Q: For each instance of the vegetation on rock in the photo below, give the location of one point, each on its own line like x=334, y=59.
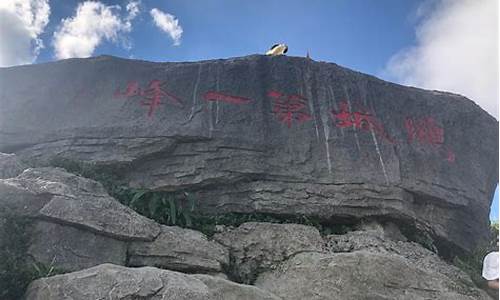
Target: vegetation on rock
x=16, y=270
x=179, y=207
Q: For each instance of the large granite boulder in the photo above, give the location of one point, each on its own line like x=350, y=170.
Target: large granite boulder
x=383, y=241
x=281, y=135
x=372, y=262
x=362, y=275
x=257, y=247
x=75, y=224
x=109, y=281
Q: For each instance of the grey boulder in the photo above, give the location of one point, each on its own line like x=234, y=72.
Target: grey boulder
x=256, y=247
x=367, y=264
x=116, y=282
x=357, y=276
x=77, y=201
x=76, y=225
x=181, y=250
x=71, y=249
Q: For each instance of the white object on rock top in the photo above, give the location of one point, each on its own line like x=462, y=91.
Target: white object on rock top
x=277, y=49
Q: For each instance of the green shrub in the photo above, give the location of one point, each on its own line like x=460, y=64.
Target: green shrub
x=169, y=208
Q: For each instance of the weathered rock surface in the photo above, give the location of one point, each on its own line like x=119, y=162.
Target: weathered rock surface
x=115, y=282
x=374, y=262
x=10, y=166
x=71, y=199
x=366, y=235
x=256, y=247
x=281, y=135
x=72, y=249
x=377, y=240
x=361, y=275
x=181, y=250
x=224, y=289
x=76, y=225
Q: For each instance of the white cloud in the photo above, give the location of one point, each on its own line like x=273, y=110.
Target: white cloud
x=93, y=23
x=133, y=9
x=21, y=23
x=167, y=23
x=456, y=51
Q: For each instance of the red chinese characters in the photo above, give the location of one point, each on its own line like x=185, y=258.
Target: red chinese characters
x=221, y=97
x=152, y=95
x=287, y=108
x=132, y=89
x=426, y=131
x=362, y=119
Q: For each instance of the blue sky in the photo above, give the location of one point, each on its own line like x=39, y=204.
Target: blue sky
x=397, y=40
x=340, y=31
x=494, y=207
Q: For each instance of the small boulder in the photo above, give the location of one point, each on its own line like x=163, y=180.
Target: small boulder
x=181, y=250
x=53, y=193
x=72, y=249
x=256, y=247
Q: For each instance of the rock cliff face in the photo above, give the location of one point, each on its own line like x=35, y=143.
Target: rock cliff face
x=284, y=136
x=280, y=135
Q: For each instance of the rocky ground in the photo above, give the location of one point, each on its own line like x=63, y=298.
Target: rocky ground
x=108, y=251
